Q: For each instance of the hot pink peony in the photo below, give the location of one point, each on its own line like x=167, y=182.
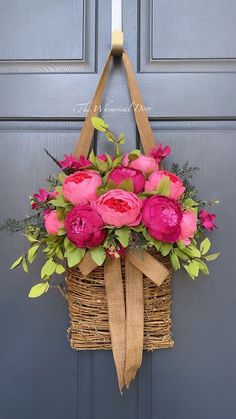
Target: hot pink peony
x=119, y=208
x=188, y=226
x=145, y=164
x=84, y=227
x=70, y=162
x=52, y=223
x=207, y=219
x=122, y=173
x=42, y=196
x=162, y=216
x=159, y=153
x=81, y=187
x=176, y=189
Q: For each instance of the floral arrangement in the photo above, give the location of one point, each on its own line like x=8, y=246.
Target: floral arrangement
x=104, y=204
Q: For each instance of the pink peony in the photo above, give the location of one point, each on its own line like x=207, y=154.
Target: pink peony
x=52, y=223
x=162, y=216
x=122, y=173
x=81, y=187
x=84, y=227
x=119, y=208
x=70, y=162
x=159, y=153
x=42, y=196
x=188, y=226
x=176, y=185
x=144, y=163
x=207, y=219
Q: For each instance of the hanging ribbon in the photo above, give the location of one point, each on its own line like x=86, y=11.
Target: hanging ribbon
x=125, y=314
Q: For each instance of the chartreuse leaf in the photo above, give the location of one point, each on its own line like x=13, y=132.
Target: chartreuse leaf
x=134, y=154
x=38, y=289
x=181, y=254
x=117, y=161
x=109, y=161
x=93, y=158
x=17, y=262
x=174, y=261
x=110, y=185
x=123, y=235
x=127, y=185
x=59, y=269
x=74, y=256
x=48, y=268
x=61, y=177
x=194, y=268
x=212, y=257
x=32, y=253
x=98, y=255
x=164, y=187
x=99, y=124
x=101, y=165
x=186, y=267
x=121, y=139
x=205, y=246
x=202, y=266
x=24, y=265
x=191, y=251
x=165, y=248
x=59, y=201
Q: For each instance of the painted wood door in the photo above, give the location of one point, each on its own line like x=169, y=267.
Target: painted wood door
x=51, y=56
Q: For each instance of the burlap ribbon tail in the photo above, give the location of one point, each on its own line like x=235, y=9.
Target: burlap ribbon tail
x=125, y=312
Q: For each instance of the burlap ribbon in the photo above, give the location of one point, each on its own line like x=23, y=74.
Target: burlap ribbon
x=125, y=313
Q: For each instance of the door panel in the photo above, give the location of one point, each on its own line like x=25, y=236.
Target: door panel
x=51, y=57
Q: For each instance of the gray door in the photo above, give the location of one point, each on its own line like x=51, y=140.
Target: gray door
x=51, y=56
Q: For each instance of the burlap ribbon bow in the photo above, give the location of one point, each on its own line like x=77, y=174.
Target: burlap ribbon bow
x=126, y=316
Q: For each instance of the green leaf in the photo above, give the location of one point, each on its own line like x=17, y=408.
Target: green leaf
x=109, y=161
x=123, y=235
x=61, y=177
x=59, y=269
x=24, y=265
x=127, y=185
x=205, y=246
x=48, y=268
x=59, y=201
x=164, y=187
x=202, y=266
x=117, y=161
x=174, y=261
x=74, y=256
x=93, y=158
x=121, y=139
x=110, y=185
x=165, y=248
x=186, y=267
x=138, y=229
x=191, y=251
x=38, y=290
x=181, y=254
x=157, y=244
x=194, y=268
x=99, y=124
x=32, y=252
x=212, y=257
x=101, y=165
x=181, y=245
x=98, y=255
x=17, y=262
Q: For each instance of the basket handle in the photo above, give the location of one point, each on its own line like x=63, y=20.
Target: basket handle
x=144, y=128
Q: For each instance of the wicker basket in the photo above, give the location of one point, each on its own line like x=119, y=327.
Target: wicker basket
x=89, y=328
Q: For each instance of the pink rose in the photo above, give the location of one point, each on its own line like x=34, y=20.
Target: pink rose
x=146, y=164
x=52, y=223
x=176, y=185
x=188, y=226
x=162, y=216
x=207, y=219
x=119, y=208
x=122, y=173
x=70, y=162
x=81, y=187
x=159, y=153
x=84, y=227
